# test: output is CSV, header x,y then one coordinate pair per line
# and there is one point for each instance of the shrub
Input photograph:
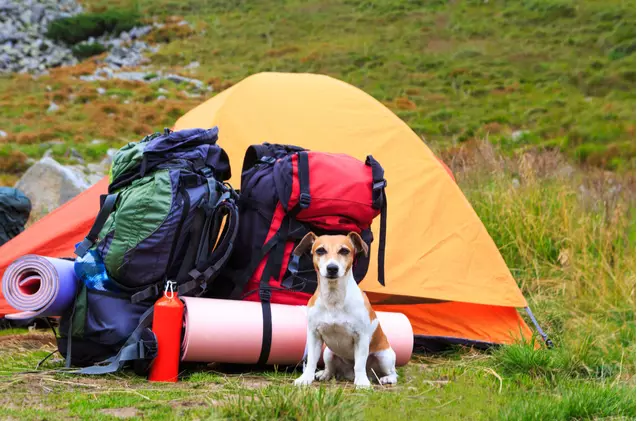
x,y
81,27
82,51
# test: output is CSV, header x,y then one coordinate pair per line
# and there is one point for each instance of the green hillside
x,y
556,73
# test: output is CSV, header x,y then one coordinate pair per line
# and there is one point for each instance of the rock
x,y
48,184
3,133
101,91
518,134
97,142
162,91
191,95
77,156
182,79
161,98
25,17
37,13
23,25
108,160
95,168
516,183
193,65
53,107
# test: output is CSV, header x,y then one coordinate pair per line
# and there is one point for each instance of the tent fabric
x,y
442,268
56,234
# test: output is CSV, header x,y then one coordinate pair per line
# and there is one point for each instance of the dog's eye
x,y
343,251
320,251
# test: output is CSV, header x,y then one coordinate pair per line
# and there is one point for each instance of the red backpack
x,y
286,192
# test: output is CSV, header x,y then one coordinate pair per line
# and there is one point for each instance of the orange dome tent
x,y
443,270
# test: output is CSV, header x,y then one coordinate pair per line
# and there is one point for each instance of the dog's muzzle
x,y
332,271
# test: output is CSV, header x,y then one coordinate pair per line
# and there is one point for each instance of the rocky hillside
x,y
78,79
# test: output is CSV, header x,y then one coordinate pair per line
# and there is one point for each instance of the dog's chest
x,y
341,328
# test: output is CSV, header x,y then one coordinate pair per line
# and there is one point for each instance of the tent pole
x,y
547,340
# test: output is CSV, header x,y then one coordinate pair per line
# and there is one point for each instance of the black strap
x,y
382,241
211,266
108,204
266,342
137,346
241,278
304,181
196,232
271,270
379,201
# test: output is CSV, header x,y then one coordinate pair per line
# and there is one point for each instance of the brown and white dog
x,y
339,314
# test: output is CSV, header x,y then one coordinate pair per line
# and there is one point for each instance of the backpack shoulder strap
x,y
207,263
107,207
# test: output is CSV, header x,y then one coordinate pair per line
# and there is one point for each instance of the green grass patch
x,y
290,403
81,27
86,50
581,400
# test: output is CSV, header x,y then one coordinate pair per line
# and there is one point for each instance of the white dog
x,y
339,314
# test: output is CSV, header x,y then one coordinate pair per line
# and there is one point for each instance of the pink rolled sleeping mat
x,y
228,331
39,286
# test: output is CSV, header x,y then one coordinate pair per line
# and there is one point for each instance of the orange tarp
x,y
437,247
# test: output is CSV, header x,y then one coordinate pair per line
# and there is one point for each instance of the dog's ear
x,y
305,244
359,244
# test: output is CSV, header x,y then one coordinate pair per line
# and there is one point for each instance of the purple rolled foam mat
x,y
39,286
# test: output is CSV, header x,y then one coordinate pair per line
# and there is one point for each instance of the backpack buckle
x,y
83,247
206,172
267,159
265,295
305,199
378,185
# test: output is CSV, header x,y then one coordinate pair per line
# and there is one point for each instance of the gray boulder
x,y
49,184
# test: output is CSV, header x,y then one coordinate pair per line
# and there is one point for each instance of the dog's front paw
x,y
362,383
389,379
323,375
304,380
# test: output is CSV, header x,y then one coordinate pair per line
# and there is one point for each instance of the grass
x,y
585,302
82,51
529,102
81,27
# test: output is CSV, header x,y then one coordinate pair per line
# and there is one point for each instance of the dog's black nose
x,y
332,271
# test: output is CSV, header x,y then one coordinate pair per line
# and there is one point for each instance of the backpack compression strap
x,y
379,201
140,345
275,257
108,204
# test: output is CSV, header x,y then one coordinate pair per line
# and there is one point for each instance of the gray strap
x,y
133,349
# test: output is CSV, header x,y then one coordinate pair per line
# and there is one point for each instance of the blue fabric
x,y
91,271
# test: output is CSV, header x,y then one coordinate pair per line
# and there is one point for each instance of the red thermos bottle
x,y
167,324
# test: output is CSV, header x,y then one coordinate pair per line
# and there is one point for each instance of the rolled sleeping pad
x,y
229,331
39,286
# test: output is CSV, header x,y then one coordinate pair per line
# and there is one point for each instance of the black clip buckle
x,y
267,159
265,295
379,185
305,199
206,172
83,247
